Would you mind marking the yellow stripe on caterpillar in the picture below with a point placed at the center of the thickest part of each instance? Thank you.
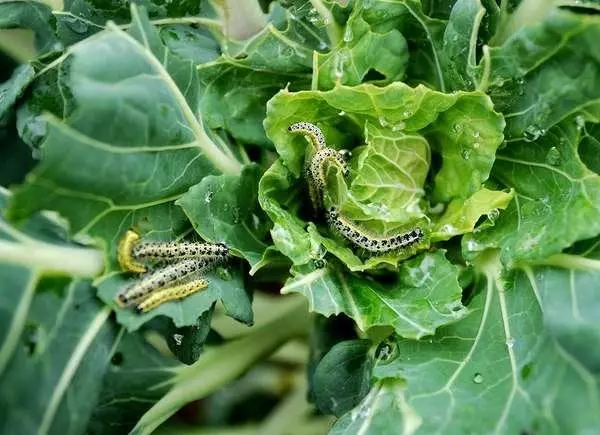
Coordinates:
(368, 242)
(166, 276)
(124, 253)
(169, 251)
(310, 131)
(171, 294)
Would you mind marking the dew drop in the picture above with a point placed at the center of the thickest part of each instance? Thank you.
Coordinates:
(348, 35)
(466, 154)
(476, 145)
(478, 378)
(208, 197)
(476, 133)
(553, 156)
(458, 127)
(398, 127)
(493, 214)
(385, 351)
(533, 132)
(510, 343)
(383, 122)
(342, 113)
(580, 121)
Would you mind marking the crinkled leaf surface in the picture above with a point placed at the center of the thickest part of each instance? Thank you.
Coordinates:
(362, 51)
(519, 352)
(223, 208)
(236, 87)
(461, 216)
(557, 198)
(424, 296)
(387, 176)
(545, 72)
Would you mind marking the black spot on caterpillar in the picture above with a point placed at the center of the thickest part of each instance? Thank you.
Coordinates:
(170, 274)
(127, 244)
(311, 131)
(362, 239)
(316, 173)
(171, 251)
(171, 294)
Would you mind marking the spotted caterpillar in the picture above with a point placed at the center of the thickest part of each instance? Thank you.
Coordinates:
(171, 294)
(169, 251)
(375, 245)
(316, 169)
(128, 243)
(171, 274)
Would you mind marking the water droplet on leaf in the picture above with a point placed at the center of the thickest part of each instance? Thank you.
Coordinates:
(478, 378)
(533, 132)
(466, 154)
(208, 197)
(553, 156)
(348, 35)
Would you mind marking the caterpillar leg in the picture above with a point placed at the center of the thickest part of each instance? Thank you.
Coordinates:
(125, 252)
(171, 294)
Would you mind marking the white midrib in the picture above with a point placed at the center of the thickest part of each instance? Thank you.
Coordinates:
(214, 154)
(71, 368)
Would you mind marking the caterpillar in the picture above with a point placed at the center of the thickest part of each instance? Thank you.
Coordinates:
(171, 294)
(168, 275)
(376, 245)
(170, 251)
(314, 133)
(127, 244)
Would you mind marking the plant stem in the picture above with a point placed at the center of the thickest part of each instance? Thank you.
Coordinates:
(528, 13)
(219, 366)
(242, 19)
(289, 413)
(333, 31)
(568, 261)
(81, 262)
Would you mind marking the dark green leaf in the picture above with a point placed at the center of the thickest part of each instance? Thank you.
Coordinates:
(224, 208)
(557, 199)
(12, 89)
(33, 15)
(343, 377)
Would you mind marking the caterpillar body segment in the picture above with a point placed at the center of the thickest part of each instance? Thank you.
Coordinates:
(174, 293)
(171, 251)
(127, 245)
(170, 274)
(311, 131)
(368, 242)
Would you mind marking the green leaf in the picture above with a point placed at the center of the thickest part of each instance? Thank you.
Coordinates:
(12, 89)
(461, 216)
(545, 72)
(342, 378)
(424, 295)
(55, 336)
(458, 59)
(383, 411)
(516, 363)
(360, 52)
(138, 376)
(223, 208)
(423, 33)
(32, 15)
(557, 198)
(187, 343)
(385, 187)
(236, 87)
